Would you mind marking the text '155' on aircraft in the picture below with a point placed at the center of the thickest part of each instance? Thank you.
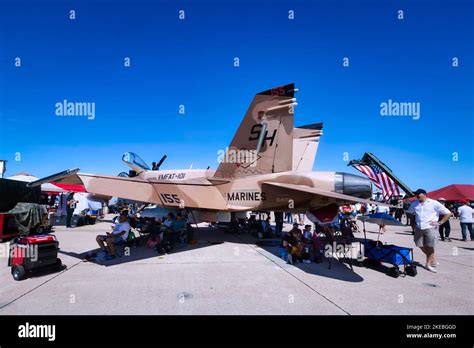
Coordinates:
(266, 167)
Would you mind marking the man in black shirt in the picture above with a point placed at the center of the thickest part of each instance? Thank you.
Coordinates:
(293, 245)
(70, 206)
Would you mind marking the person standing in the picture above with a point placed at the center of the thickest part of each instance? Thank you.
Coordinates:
(465, 218)
(70, 206)
(307, 235)
(444, 229)
(406, 205)
(427, 212)
(399, 210)
(278, 223)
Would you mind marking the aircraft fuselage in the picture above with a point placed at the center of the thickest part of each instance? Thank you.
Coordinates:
(249, 193)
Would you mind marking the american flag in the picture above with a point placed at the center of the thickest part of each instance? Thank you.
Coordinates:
(380, 179)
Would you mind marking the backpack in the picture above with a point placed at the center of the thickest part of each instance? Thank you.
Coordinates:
(153, 241)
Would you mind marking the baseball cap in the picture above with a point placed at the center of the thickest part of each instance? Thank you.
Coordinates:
(417, 192)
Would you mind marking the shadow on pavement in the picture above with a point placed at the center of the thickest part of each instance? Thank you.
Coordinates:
(141, 252)
(206, 237)
(405, 233)
(337, 269)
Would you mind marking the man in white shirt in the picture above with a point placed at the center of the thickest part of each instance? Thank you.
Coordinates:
(169, 220)
(465, 218)
(427, 212)
(119, 234)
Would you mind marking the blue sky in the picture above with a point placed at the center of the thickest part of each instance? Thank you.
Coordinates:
(190, 62)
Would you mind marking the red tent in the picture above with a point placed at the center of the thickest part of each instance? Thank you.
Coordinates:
(73, 188)
(454, 192)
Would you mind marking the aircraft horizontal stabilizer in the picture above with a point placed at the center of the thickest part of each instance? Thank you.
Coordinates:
(54, 177)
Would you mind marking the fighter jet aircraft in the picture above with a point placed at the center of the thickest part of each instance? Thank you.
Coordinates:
(266, 167)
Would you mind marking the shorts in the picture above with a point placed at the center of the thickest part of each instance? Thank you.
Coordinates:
(425, 238)
(116, 239)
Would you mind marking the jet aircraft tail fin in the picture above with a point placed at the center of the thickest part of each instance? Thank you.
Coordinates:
(264, 141)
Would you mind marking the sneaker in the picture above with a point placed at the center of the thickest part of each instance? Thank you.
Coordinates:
(464, 240)
(448, 240)
(431, 269)
(434, 264)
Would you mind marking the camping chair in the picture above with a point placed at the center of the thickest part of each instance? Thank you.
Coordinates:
(338, 239)
(181, 238)
(146, 227)
(130, 242)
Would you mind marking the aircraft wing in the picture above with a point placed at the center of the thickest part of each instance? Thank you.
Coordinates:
(189, 195)
(332, 197)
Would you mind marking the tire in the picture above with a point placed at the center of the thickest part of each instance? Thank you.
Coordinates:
(411, 271)
(18, 273)
(59, 265)
(369, 262)
(394, 272)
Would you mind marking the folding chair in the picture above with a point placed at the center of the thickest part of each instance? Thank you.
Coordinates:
(182, 238)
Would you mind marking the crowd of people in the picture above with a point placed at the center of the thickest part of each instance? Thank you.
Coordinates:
(296, 245)
(162, 234)
(426, 216)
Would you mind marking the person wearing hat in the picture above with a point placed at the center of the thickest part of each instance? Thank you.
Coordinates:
(465, 218)
(427, 212)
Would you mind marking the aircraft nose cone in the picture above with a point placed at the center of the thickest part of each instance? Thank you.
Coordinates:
(353, 185)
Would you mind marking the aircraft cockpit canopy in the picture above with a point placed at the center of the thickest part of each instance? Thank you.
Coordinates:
(135, 162)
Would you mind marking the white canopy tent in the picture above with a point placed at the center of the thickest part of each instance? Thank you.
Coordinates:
(30, 178)
(84, 202)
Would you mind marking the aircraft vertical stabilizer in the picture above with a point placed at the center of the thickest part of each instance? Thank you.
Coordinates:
(305, 146)
(263, 143)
